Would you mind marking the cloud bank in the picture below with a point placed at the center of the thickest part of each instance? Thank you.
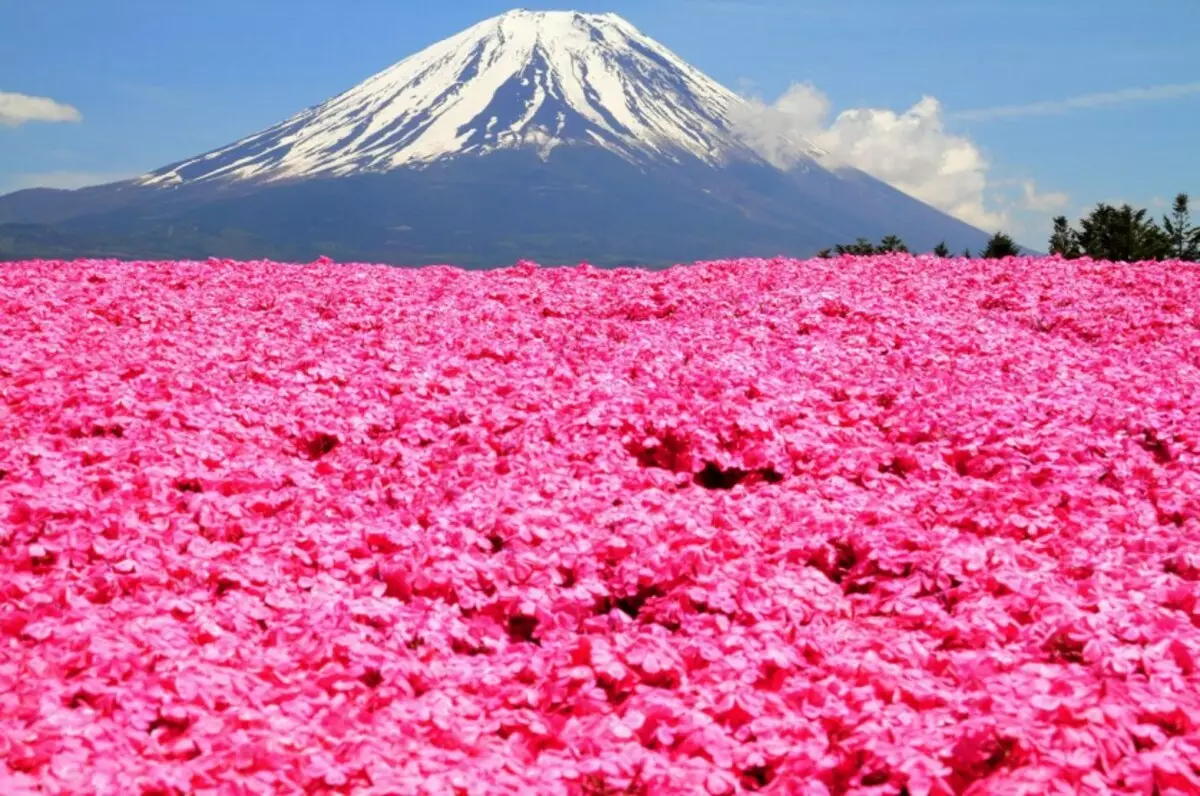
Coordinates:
(17, 109)
(910, 150)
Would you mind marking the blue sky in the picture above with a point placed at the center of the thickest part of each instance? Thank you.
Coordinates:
(1061, 103)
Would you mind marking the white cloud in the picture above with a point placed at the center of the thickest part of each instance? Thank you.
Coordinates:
(17, 109)
(910, 150)
(1034, 201)
(1083, 101)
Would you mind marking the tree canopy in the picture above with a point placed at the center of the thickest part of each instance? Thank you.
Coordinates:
(1128, 234)
(999, 246)
(1107, 232)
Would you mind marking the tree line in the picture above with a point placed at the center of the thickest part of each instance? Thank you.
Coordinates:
(1118, 234)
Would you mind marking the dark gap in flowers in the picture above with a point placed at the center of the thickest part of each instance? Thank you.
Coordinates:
(461, 647)
(979, 756)
(1156, 446)
(371, 678)
(320, 444)
(876, 778)
(522, 628)
(835, 560)
(1180, 567)
(632, 604)
(614, 692)
(757, 777)
(189, 485)
(1175, 518)
(900, 466)
(1143, 744)
(97, 430)
(225, 585)
(671, 454)
(81, 698)
(174, 726)
(1064, 649)
(978, 465)
(859, 587)
(715, 477)
(597, 785)
(948, 599)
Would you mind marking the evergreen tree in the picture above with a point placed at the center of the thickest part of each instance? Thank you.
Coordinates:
(941, 250)
(825, 254)
(1122, 234)
(1183, 237)
(967, 253)
(891, 243)
(1064, 241)
(1000, 246)
(860, 248)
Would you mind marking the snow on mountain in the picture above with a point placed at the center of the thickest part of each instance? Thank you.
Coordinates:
(523, 79)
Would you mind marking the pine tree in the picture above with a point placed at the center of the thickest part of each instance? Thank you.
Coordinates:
(1000, 246)
(967, 253)
(891, 243)
(1184, 238)
(1122, 234)
(860, 248)
(1064, 241)
(941, 250)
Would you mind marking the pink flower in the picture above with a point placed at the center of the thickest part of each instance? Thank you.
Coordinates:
(753, 525)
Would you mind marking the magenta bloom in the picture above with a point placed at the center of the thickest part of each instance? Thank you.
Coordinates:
(849, 526)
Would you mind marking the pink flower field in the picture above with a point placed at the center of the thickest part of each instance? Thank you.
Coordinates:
(851, 526)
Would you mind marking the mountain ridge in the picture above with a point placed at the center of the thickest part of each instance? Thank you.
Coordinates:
(521, 79)
(487, 126)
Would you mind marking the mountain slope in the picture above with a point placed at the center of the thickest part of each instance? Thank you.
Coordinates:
(523, 79)
(551, 135)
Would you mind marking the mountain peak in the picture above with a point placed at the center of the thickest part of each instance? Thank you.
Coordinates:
(551, 22)
(435, 159)
(559, 14)
(523, 79)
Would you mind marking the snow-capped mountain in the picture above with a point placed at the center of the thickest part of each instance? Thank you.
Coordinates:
(523, 79)
(553, 136)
